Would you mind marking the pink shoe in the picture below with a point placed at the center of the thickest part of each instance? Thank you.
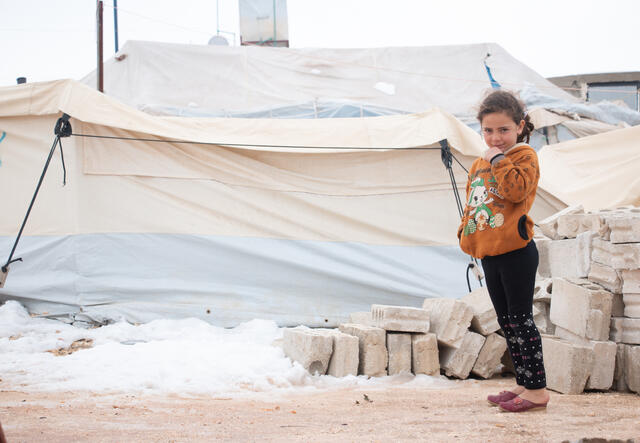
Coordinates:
(521, 405)
(503, 396)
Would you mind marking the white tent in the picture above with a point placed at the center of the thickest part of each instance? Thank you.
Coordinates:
(261, 82)
(598, 172)
(197, 80)
(559, 121)
(300, 221)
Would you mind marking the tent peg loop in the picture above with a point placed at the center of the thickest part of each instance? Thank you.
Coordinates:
(4, 271)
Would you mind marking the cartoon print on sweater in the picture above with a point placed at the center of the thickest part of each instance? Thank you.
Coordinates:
(480, 214)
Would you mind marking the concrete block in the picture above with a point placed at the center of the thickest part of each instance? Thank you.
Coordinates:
(549, 226)
(570, 336)
(604, 364)
(631, 331)
(458, 361)
(507, 363)
(344, 358)
(450, 319)
(581, 309)
(542, 318)
(601, 374)
(630, 281)
(625, 228)
(309, 348)
(569, 225)
(399, 347)
(618, 256)
(567, 365)
(372, 348)
(424, 354)
(585, 283)
(619, 383)
(361, 318)
(537, 232)
(596, 223)
(606, 276)
(572, 225)
(544, 267)
(631, 303)
(617, 305)
(615, 330)
(632, 368)
(400, 318)
(489, 358)
(584, 247)
(484, 320)
(631, 291)
(608, 214)
(564, 258)
(542, 290)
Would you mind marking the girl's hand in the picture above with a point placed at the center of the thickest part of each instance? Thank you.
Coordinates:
(492, 152)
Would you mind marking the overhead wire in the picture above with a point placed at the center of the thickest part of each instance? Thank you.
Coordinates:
(146, 17)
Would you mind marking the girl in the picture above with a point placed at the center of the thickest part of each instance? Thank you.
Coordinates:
(496, 228)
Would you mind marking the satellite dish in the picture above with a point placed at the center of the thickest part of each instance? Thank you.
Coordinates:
(218, 40)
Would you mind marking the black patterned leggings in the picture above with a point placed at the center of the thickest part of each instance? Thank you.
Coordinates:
(510, 280)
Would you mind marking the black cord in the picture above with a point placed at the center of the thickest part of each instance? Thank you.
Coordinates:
(253, 145)
(456, 194)
(461, 165)
(62, 129)
(64, 168)
(447, 157)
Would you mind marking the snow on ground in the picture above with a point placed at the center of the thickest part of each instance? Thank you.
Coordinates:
(187, 356)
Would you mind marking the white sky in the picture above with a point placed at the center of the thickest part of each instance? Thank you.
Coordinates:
(52, 39)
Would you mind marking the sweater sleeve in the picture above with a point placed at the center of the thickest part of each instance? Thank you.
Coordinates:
(517, 177)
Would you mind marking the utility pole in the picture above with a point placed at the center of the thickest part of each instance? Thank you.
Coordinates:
(115, 22)
(99, 29)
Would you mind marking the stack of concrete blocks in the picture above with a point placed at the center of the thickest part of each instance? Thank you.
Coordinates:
(594, 260)
(388, 340)
(581, 312)
(394, 340)
(410, 346)
(459, 347)
(485, 322)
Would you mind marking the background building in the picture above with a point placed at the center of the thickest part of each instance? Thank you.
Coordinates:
(614, 86)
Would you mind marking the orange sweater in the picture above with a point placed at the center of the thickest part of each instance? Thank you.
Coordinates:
(499, 196)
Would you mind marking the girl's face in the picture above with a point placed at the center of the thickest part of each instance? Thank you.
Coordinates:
(500, 131)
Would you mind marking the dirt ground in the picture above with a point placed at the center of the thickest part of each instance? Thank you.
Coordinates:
(393, 414)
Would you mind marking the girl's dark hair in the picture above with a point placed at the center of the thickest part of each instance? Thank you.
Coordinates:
(506, 102)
